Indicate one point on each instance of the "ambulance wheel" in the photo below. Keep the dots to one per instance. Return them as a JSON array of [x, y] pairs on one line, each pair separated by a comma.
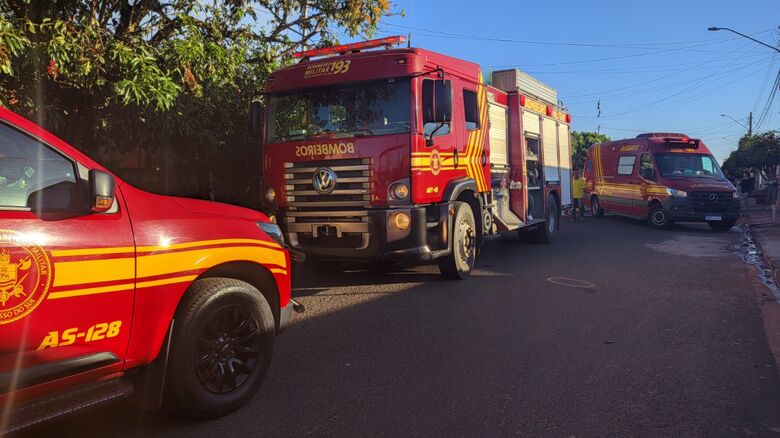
[[460, 262], [223, 338], [721, 225], [658, 218], [595, 207], [546, 231]]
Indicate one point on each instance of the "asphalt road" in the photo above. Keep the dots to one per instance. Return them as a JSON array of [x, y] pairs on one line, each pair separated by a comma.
[[663, 338]]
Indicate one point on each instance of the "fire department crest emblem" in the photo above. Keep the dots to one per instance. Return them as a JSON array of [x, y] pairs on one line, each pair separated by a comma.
[[435, 162], [25, 276]]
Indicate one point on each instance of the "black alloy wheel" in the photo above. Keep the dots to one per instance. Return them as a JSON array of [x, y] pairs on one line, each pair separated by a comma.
[[227, 349]]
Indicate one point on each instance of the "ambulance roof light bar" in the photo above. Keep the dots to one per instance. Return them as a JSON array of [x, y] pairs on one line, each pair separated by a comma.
[[673, 140], [353, 47]]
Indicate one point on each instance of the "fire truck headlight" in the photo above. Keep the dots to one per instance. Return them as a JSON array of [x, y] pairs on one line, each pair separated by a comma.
[[676, 193], [399, 191], [270, 194], [400, 220], [273, 231]]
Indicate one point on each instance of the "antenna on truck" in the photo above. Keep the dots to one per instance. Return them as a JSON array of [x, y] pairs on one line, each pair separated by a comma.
[[411, 11]]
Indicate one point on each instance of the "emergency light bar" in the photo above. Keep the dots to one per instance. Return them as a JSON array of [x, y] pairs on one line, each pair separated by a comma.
[[673, 140], [354, 47]]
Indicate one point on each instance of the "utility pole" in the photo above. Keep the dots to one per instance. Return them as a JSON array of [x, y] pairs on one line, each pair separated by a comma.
[[750, 124]]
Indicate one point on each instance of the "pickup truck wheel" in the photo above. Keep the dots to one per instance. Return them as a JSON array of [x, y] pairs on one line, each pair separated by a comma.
[[460, 262], [223, 338]]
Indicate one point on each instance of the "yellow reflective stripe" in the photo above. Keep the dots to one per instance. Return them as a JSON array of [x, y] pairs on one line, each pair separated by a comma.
[[91, 251], [90, 291], [204, 243], [126, 249], [279, 271], [122, 287], [160, 264], [93, 271]]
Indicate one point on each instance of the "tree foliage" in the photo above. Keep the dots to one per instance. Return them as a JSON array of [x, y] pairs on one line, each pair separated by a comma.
[[758, 152], [163, 85], [580, 142]]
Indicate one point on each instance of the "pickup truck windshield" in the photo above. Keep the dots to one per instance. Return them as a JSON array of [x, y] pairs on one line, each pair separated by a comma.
[[363, 109], [688, 165]]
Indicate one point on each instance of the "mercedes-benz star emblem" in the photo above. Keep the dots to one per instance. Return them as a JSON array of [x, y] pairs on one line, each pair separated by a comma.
[[714, 197], [324, 180]]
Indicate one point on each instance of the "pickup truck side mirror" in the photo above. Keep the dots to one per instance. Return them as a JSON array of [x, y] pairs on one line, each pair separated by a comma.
[[256, 119], [101, 190]]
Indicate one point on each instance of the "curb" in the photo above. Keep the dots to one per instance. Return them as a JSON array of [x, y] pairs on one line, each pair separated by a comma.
[[772, 262]]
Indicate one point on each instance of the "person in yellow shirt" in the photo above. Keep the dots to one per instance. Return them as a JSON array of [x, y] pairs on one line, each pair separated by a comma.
[[577, 193]]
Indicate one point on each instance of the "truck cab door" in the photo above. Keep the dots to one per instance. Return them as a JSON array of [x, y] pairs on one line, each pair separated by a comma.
[[67, 274], [647, 182], [436, 155]]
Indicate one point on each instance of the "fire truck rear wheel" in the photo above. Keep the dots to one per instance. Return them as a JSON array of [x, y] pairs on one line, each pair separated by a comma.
[[223, 338], [460, 262], [546, 231]]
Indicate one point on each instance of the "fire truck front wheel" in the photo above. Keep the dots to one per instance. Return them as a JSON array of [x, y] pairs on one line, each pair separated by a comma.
[[460, 262], [223, 337]]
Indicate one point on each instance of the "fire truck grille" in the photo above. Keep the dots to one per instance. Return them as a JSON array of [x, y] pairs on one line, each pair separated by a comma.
[[706, 202], [352, 184]]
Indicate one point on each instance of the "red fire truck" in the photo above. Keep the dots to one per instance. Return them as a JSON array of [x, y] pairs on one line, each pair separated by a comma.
[[106, 290], [408, 155]]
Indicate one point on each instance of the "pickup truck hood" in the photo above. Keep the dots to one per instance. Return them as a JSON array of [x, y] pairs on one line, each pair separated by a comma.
[[219, 209]]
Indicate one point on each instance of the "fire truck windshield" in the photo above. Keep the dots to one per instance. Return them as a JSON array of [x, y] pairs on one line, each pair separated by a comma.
[[362, 109], [688, 165]]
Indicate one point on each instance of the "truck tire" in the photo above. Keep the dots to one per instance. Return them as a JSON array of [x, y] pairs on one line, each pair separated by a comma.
[[658, 218], [546, 232], [223, 338], [721, 225], [595, 207], [460, 262]]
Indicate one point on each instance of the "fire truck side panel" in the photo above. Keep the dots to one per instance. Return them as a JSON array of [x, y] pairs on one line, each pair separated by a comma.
[[518, 172], [550, 148], [564, 142], [180, 240]]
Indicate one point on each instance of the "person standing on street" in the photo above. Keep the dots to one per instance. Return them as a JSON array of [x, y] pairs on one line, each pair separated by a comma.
[[577, 193]]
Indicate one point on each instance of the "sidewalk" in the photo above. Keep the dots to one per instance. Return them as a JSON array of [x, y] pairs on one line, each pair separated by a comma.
[[765, 235]]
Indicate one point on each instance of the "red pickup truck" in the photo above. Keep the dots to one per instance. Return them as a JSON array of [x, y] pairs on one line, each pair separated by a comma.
[[107, 291]]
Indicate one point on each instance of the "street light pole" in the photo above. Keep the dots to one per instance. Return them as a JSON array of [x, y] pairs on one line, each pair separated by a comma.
[[749, 127], [715, 29]]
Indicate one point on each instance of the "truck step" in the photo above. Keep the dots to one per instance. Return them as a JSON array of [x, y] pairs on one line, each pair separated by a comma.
[[65, 403]]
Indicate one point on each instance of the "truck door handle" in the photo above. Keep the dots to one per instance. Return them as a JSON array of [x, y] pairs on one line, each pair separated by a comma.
[[455, 157]]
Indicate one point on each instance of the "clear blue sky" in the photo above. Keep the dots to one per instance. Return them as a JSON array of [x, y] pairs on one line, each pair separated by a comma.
[[653, 65]]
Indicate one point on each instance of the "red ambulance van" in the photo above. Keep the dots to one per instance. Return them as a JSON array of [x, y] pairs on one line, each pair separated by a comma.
[[661, 177]]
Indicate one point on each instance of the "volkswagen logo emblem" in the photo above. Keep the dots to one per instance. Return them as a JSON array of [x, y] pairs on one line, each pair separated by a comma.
[[714, 197], [324, 180]]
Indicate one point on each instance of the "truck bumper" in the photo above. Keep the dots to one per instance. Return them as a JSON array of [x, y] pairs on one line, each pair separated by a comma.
[[688, 210], [371, 238]]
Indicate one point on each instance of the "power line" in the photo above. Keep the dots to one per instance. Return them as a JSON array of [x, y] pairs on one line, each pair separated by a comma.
[[569, 44]]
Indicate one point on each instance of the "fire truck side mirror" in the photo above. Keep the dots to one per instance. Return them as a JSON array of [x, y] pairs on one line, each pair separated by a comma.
[[256, 119], [443, 108], [101, 190]]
